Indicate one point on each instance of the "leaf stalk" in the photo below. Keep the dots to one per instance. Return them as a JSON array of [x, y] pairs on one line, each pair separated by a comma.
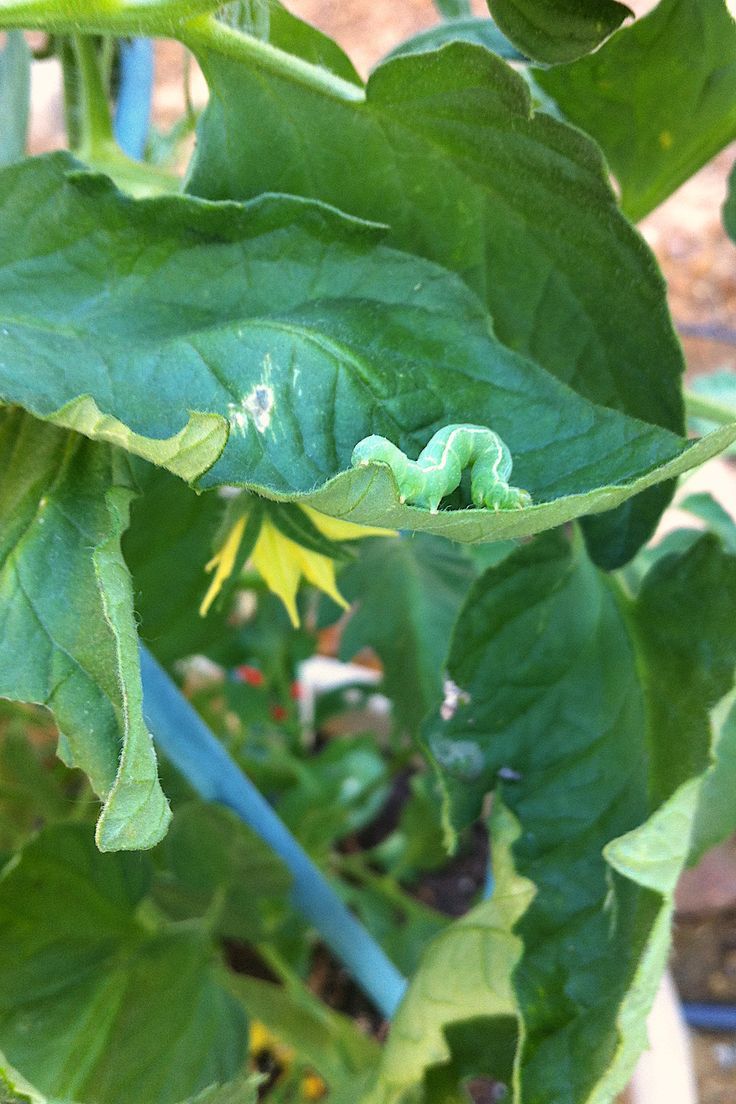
[[208, 33], [96, 124], [698, 406]]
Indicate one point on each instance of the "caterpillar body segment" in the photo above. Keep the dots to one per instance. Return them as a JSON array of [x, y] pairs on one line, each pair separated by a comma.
[[438, 469]]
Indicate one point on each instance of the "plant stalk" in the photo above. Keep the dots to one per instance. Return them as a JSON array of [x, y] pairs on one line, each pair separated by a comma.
[[96, 124], [208, 33], [190, 745], [698, 406]]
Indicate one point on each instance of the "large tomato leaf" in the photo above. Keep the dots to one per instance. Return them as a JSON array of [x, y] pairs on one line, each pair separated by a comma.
[[588, 714], [97, 1003], [67, 631], [256, 344], [447, 150]]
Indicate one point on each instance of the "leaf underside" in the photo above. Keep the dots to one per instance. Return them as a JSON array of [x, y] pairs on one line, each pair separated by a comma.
[[67, 630], [257, 344]]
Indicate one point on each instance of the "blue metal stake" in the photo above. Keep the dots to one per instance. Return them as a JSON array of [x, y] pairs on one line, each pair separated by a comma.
[[190, 745]]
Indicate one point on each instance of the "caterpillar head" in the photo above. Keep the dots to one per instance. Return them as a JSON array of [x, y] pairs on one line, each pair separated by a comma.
[[500, 496]]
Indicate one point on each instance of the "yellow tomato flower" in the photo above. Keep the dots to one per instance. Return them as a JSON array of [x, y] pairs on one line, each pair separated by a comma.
[[313, 1087], [223, 563], [283, 563], [261, 1041]]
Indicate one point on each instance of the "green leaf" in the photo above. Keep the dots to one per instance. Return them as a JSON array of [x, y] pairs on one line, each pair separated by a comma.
[[417, 843], [409, 591], [715, 819], [170, 539], [729, 206], [216, 867], [588, 714], [465, 976], [330, 1042], [64, 504], [334, 793], [558, 30], [287, 32], [711, 401], [95, 1004], [480, 32], [29, 790], [242, 1091], [453, 9], [566, 279], [718, 520], [210, 373], [15, 97], [99, 17], [658, 97], [14, 1089], [251, 16], [686, 634]]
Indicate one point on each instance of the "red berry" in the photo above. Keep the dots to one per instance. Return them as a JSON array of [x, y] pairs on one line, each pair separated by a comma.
[[251, 675]]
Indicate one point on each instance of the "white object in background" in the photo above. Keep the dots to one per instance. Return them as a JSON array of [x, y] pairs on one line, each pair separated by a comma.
[[321, 674], [665, 1073]]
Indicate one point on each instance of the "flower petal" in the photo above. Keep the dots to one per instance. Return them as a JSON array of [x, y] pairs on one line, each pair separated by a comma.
[[224, 562], [338, 530]]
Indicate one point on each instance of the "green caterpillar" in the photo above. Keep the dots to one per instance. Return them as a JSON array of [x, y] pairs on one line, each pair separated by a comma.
[[437, 470]]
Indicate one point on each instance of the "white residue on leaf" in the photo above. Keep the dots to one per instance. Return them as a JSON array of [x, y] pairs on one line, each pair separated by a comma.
[[256, 407], [454, 697]]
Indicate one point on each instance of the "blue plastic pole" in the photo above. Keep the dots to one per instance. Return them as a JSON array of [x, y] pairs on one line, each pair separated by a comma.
[[186, 740], [133, 111]]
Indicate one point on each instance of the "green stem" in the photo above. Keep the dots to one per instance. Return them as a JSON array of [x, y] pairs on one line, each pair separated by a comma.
[[357, 866], [698, 406], [199, 33], [97, 136], [283, 971], [70, 78], [207, 33]]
